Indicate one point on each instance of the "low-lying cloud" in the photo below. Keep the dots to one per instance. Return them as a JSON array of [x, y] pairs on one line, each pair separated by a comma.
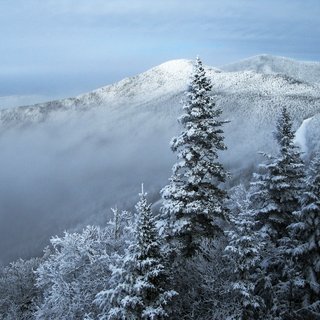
[[69, 171]]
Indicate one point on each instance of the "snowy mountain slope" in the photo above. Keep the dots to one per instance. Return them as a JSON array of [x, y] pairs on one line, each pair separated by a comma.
[[65, 163], [139, 89], [268, 64]]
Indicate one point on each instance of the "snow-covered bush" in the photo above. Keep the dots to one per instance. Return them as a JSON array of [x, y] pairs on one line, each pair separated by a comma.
[[18, 293], [73, 274]]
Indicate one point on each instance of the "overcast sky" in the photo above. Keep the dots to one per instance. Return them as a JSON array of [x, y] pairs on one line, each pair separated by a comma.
[[58, 48]]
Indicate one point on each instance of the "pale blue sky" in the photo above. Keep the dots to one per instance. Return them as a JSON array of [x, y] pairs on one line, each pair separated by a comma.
[[55, 48]]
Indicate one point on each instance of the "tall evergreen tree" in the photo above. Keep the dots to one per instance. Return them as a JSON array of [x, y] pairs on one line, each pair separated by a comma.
[[193, 200], [279, 186], [276, 197], [140, 278], [306, 231], [245, 246]]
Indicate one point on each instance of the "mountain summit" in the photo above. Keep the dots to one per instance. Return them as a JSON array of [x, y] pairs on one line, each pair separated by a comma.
[[269, 64]]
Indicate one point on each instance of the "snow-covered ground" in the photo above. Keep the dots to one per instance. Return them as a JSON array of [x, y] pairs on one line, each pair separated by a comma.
[[64, 163]]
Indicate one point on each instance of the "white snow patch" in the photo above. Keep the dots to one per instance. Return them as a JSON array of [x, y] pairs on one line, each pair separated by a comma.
[[176, 66], [300, 135]]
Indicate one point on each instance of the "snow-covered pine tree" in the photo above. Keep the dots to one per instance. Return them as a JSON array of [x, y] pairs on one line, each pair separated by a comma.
[[139, 278], [307, 251], [193, 200], [244, 249], [276, 197], [280, 186]]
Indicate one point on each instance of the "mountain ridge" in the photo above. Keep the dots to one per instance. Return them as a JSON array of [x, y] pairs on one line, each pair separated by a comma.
[[266, 63], [176, 70]]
